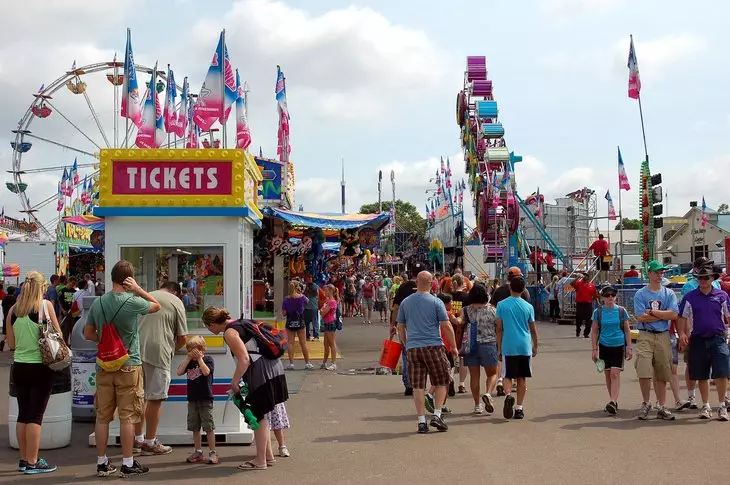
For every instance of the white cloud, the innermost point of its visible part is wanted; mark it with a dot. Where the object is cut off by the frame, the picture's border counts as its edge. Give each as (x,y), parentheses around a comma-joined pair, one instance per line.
(567,10)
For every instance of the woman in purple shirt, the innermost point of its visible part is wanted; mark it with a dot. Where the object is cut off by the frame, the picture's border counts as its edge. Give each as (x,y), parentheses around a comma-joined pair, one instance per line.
(293,309)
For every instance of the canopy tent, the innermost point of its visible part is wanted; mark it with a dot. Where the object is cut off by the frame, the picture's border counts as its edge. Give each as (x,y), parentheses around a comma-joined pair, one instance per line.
(332,222)
(88,221)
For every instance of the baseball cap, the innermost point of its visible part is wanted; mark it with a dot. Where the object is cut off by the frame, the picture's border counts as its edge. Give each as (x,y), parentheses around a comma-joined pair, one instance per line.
(514,271)
(608,290)
(655,266)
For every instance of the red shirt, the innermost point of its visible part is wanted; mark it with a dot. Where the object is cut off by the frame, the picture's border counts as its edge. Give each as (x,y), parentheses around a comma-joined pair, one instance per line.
(599,247)
(549,259)
(585,291)
(443,337)
(632,273)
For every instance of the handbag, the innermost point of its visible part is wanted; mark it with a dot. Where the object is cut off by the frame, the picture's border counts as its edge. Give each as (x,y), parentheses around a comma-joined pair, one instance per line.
(54,352)
(469,336)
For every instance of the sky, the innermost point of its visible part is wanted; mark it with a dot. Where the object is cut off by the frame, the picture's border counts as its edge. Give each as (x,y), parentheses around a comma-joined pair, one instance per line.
(374,84)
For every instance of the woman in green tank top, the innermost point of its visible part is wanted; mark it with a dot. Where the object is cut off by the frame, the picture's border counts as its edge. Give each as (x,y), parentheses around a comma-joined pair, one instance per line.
(33,380)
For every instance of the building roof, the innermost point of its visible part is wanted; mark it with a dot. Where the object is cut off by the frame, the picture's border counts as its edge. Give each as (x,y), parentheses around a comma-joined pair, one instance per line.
(719,221)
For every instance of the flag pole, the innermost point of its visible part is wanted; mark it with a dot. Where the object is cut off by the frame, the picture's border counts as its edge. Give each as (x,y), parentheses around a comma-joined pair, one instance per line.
(223,89)
(641,114)
(620,233)
(126,74)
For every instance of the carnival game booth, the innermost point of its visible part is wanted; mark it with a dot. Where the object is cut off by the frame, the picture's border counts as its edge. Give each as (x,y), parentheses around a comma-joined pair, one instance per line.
(80,246)
(186,215)
(299,242)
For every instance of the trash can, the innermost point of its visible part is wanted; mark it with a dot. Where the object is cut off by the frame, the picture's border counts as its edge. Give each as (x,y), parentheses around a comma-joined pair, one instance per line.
(56,425)
(83,368)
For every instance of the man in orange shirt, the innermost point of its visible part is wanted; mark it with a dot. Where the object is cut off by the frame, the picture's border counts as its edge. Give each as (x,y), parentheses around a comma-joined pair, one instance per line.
(601,250)
(585,293)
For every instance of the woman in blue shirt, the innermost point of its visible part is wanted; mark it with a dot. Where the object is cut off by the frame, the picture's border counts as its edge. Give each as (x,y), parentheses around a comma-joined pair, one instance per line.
(611,338)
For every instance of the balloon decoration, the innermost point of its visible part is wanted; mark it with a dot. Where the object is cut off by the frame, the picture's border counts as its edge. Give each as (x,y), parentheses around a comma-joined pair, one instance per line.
(368,238)
(349,242)
(315,256)
(436,252)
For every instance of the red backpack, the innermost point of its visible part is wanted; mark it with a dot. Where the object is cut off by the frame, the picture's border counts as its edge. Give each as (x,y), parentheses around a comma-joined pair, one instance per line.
(272,342)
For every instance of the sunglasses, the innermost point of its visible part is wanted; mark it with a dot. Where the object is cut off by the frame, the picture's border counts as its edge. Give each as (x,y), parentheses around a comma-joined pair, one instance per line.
(610,295)
(703,278)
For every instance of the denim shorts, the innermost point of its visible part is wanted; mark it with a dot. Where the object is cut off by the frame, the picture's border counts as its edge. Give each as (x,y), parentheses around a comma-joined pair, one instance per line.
(485,355)
(708,353)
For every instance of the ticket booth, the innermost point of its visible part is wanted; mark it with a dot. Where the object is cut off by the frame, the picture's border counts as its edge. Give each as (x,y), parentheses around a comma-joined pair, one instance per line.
(186,215)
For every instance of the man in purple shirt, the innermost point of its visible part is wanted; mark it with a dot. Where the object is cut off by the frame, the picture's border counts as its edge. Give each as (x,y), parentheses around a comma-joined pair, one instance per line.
(703,320)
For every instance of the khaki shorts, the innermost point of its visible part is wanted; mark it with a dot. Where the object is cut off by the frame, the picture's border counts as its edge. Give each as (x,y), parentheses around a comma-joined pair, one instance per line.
(200,416)
(653,356)
(156,382)
(123,391)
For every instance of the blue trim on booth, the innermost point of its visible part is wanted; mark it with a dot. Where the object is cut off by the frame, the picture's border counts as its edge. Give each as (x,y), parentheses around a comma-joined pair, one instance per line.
(177,212)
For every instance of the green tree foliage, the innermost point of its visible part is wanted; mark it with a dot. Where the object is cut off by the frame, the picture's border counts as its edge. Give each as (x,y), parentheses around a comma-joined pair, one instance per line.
(406,216)
(629,224)
(723,209)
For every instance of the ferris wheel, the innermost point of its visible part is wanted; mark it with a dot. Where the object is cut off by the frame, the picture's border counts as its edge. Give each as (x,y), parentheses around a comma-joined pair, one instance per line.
(67,124)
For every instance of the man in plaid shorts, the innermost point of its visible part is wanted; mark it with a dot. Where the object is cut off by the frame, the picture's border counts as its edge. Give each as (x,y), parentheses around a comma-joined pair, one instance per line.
(421,316)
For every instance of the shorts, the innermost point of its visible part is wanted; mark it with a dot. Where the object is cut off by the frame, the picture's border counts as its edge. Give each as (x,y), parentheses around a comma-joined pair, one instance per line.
(33,386)
(368,302)
(675,348)
(605,265)
(428,361)
(517,366)
(484,355)
(200,416)
(708,353)
(278,417)
(295,324)
(329,327)
(653,356)
(613,357)
(121,391)
(380,306)
(156,382)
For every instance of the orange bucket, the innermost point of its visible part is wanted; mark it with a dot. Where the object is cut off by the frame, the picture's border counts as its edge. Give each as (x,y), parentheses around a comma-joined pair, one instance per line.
(390,354)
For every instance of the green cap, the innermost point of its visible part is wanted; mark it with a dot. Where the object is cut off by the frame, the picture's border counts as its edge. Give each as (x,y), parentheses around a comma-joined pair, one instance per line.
(655,265)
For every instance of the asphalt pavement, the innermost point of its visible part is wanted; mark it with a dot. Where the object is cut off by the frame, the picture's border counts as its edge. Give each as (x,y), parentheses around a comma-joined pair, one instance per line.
(354,427)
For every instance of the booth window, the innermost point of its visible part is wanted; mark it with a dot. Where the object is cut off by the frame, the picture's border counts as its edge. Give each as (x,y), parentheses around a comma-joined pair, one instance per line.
(198,269)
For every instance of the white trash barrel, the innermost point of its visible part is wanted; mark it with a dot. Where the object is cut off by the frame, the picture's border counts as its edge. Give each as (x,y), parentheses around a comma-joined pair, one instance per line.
(56,426)
(83,369)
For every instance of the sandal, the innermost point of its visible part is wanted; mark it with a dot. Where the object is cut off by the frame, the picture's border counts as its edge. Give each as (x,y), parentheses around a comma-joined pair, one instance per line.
(271,462)
(249,465)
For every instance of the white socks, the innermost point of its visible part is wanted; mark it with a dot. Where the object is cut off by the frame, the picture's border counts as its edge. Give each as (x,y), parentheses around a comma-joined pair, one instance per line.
(128,462)
(422,419)
(437,413)
(102,460)
(138,438)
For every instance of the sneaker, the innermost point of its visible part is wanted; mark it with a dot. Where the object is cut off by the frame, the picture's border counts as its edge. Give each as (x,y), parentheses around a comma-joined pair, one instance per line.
(692,402)
(508,411)
(408,391)
(212,458)
(488,403)
(105,470)
(290,367)
(681,405)
(41,466)
(332,367)
(452,390)
(665,414)
(308,366)
(133,471)
(445,409)
(727,401)
(519,414)
(439,424)
(722,413)
(323,366)
(422,428)
(479,409)
(429,403)
(500,388)
(156,448)
(706,412)
(612,408)
(21,465)
(644,411)
(196,457)
(284,451)
(137,447)
(462,389)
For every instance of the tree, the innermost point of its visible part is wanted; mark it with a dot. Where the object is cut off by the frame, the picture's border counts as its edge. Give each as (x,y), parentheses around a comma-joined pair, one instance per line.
(406,216)
(629,224)
(723,209)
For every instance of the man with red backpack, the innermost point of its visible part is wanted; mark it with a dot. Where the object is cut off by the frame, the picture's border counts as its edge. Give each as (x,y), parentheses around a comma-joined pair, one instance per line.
(116,314)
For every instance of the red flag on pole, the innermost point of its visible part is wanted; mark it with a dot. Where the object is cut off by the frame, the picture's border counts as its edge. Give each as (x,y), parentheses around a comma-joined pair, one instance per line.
(634,79)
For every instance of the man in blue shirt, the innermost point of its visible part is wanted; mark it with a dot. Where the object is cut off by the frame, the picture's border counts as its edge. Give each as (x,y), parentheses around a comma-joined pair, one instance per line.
(517,341)
(421,318)
(311,309)
(703,321)
(654,307)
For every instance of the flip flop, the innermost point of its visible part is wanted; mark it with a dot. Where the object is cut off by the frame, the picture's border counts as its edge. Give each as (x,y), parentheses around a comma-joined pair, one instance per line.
(249,465)
(600,365)
(270,462)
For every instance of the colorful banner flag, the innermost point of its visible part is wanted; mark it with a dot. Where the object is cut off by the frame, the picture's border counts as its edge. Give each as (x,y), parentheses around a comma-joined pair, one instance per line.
(283,149)
(60,198)
(634,78)
(623,180)
(131,102)
(611,209)
(280,92)
(705,218)
(75,173)
(193,130)
(243,133)
(181,119)
(539,201)
(170,113)
(151,133)
(218,90)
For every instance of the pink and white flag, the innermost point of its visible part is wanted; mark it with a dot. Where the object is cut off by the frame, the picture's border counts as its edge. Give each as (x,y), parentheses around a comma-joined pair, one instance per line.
(634,78)
(181,120)
(151,133)
(623,180)
(243,133)
(218,90)
(131,104)
(705,219)
(170,113)
(611,208)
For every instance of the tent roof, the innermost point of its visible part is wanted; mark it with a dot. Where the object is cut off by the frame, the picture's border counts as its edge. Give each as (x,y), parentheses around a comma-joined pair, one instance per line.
(329,221)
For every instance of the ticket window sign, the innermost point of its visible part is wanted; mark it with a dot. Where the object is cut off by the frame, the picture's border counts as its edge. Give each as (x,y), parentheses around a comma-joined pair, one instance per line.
(177,178)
